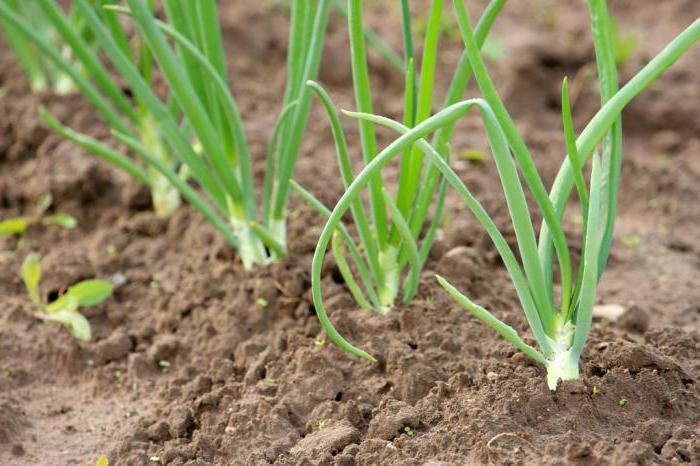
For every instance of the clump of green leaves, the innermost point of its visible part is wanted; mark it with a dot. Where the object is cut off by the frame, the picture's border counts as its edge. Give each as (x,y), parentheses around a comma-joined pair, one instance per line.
(18,225)
(66,308)
(560,322)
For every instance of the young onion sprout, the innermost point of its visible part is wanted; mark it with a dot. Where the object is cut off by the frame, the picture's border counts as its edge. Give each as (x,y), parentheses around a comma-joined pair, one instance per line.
(560,327)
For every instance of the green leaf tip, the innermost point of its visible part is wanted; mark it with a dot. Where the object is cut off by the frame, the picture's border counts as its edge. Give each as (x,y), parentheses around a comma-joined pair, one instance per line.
(63,220)
(31,274)
(79,325)
(90,292)
(14,226)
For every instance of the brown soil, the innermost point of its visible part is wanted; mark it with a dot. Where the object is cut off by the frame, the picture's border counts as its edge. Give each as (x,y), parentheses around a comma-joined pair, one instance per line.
(255,384)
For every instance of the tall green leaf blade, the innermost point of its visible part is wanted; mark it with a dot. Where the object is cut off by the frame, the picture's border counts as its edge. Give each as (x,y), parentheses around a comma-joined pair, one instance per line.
(188,100)
(363,101)
(177,139)
(455,93)
(602,29)
(426,84)
(528,169)
(289,154)
(593,237)
(88,58)
(357,210)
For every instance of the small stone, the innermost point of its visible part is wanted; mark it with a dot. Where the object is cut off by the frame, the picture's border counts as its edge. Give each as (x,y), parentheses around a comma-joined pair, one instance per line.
(331,439)
(164,348)
(159,431)
(610,312)
(492,376)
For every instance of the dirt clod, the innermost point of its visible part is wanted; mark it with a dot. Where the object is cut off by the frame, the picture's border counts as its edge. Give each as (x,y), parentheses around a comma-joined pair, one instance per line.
(180,422)
(165,348)
(114,347)
(390,420)
(330,440)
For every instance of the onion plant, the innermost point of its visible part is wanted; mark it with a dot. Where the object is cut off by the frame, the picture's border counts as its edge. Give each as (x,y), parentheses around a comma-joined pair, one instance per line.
(82,65)
(41,73)
(395,232)
(560,322)
(198,126)
(197,78)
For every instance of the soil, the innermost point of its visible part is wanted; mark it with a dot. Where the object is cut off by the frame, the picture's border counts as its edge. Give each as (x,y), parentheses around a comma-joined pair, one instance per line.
(190,366)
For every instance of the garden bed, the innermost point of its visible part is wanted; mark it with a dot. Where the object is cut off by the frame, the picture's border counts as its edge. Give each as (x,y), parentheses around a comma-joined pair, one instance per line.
(196,361)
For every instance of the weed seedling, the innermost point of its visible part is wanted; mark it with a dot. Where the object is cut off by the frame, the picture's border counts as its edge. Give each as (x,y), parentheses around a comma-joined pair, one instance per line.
(65,309)
(19,225)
